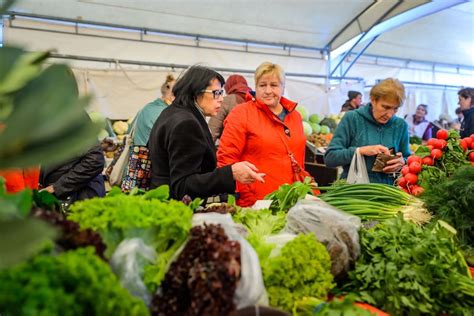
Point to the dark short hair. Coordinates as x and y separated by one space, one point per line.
424 106
190 84
467 93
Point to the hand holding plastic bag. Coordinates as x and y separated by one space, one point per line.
357 171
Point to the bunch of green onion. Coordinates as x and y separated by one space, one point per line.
375 202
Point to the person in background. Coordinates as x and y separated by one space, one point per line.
263 131
182 152
418 125
79 178
458 120
371 130
353 102
466 102
236 88
148 115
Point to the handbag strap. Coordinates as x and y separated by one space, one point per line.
294 163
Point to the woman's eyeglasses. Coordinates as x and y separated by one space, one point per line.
215 93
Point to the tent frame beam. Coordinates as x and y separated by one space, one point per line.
182 66
361 38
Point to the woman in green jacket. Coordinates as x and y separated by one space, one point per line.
373 129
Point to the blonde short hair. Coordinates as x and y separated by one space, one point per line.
388 89
270 68
166 87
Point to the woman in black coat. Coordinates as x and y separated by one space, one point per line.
182 151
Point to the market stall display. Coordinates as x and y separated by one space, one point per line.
81 262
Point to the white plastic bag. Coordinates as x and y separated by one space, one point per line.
357 171
337 230
250 287
128 261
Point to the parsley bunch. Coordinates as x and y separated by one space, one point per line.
406 269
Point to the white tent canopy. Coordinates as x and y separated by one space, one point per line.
435 48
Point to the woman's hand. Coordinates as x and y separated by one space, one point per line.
373 150
394 165
246 173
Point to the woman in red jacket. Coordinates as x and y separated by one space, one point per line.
264 131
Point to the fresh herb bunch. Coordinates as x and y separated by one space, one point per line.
405 269
288 195
301 269
72 283
203 279
453 201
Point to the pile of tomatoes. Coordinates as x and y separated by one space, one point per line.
437 147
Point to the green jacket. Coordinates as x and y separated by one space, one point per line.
359 128
145 120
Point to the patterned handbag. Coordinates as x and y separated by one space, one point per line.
138 174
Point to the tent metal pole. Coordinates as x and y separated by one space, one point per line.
14 14
422 84
183 66
393 7
358 55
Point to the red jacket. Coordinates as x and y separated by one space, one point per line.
19 179
252 133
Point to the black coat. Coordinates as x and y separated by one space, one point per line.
77 179
467 125
183 155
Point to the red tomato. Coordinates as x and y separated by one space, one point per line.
411 178
405 170
436 153
442 134
468 141
443 143
415 167
463 144
432 141
402 182
430 147
413 158
417 190
471 156
428 161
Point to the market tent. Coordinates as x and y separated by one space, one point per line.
236 36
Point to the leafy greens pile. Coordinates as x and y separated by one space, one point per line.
72 283
120 216
405 269
301 269
163 225
453 201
